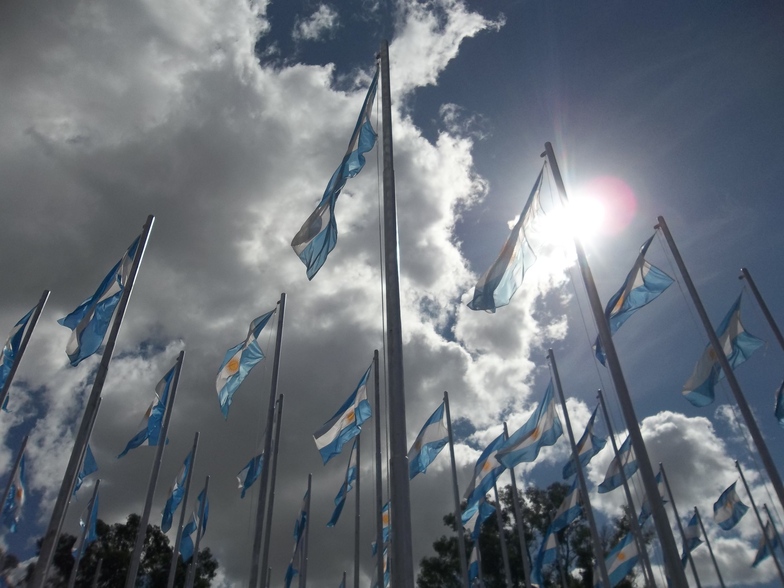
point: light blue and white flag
(11, 350)
(570, 509)
(643, 285)
(88, 519)
(738, 345)
(12, 507)
(429, 443)
(486, 472)
(728, 509)
(482, 513)
(497, 285)
(153, 419)
(762, 547)
(645, 510)
(345, 488)
(89, 466)
(319, 234)
(175, 494)
(346, 423)
(626, 460)
(543, 428)
(548, 554)
(779, 410)
(473, 566)
(250, 473)
(691, 538)
(298, 556)
(588, 446)
(385, 527)
(622, 559)
(187, 545)
(238, 362)
(90, 320)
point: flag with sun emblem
(428, 444)
(486, 472)
(238, 362)
(622, 559)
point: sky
(226, 119)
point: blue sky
(225, 120)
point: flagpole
(680, 525)
(97, 574)
(456, 492)
(479, 562)
(52, 535)
(524, 555)
(595, 539)
(379, 481)
(255, 570)
(773, 526)
(633, 522)
(28, 331)
(356, 519)
(11, 478)
(400, 499)
(343, 584)
(78, 556)
(141, 532)
(710, 549)
(502, 538)
(274, 477)
(748, 416)
(559, 559)
(194, 559)
(669, 547)
(178, 533)
(744, 273)
(303, 573)
(762, 526)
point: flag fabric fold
(643, 285)
(737, 344)
(428, 444)
(297, 557)
(625, 462)
(486, 472)
(11, 349)
(543, 428)
(691, 538)
(175, 494)
(728, 509)
(250, 473)
(621, 559)
(153, 418)
(502, 279)
(17, 493)
(238, 362)
(345, 488)
(90, 320)
(548, 553)
(88, 519)
(89, 466)
(588, 446)
(346, 423)
(483, 512)
(765, 548)
(319, 234)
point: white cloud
(317, 26)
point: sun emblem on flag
(536, 433)
(621, 556)
(233, 366)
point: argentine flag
(12, 507)
(89, 466)
(345, 488)
(153, 417)
(486, 472)
(250, 473)
(473, 565)
(88, 519)
(474, 524)
(626, 460)
(728, 509)
(175, 494)
(298, 557)
(11, 349)
(588, 446)
(548, 553)
(767, 544)
(570, 509)
(691, 538)
(622, 559)
(645, 510)
(429, 443)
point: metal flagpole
(195, 558)
(748, 416)
(595, 539)
(273, 479)
(356, 518)
(28, 328)
(524, 555)
(502, 539)
(255, 569)
(672, 561)
(379, 481)
(52, 535)
(400, 499)
(633, 522)
(78, 556)
(178, 532)
(17, 461)
(680, 525)
(141, 532)
(759, 520)
(303, 573)
(456, 492)
(343, 583)
(744, 273)
(710, 549)
(97, 574)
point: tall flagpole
(183, 505)
(710, 549)
(744, 273)
(52, 535)
(502, 538)
(379, 482)
(524, 555)
(584, 499)
(356, 518)
(28, 331)
(748, 416)
(303, 573)
(633, 522)
(672, 561)
(255, 569)
(97, 575)
(400, 499)
(141, 532)
(456, 492)
(274, 477)
(195, 558)
(78, 556)
(680, 526)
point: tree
(576, 547)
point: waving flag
(153, 418)
(12, 508)
(473, 566)
(643, 285)
(428, 444)
(543, 428)
(346, 423)
(548, 553)
(89, 466)
(691, 538)
(298, 557)
(622, 559)
(496, 287)
(11, 349)
(90, 320)
(345, 488)
(765, 548)
(486, 472)
(588, 446)
(319, 234)
(570, 509)
(474, 524)
(88, 519)
(175, 494)
(645, 510)
(385, 522)
(737, 345)
(250, 473)
(187, 546)
(238, 362)
(625, 461)
(728, 509)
